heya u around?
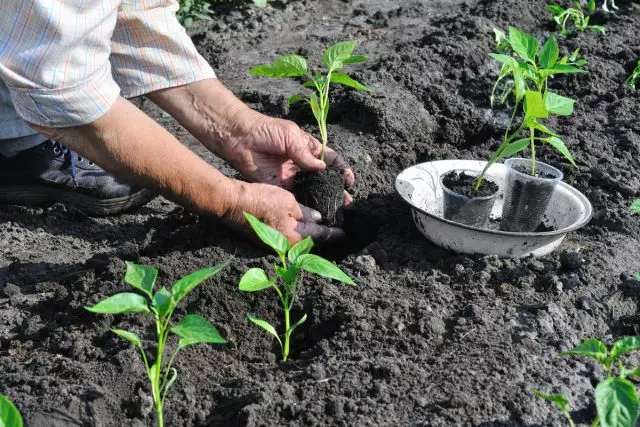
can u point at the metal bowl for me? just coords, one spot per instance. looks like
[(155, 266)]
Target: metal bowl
[(420, 187)]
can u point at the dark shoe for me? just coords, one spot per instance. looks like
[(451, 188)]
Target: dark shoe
[(52, 173)]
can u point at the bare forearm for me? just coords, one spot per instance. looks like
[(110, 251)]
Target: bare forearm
[(131, 146)]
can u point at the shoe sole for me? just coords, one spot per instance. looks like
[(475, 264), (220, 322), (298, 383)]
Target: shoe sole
[(35, 196)]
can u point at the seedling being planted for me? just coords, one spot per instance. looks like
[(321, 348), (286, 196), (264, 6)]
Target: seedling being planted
[(294, 260), (191, 329), (616, 398), (634, 77), (575, 17), (9, 414), (320, 191)]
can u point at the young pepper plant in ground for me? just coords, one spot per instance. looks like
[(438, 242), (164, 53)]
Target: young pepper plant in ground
[(9, 414), (634, 77), (574, 17), (191, 329), (616, 398), (334, 59), (294, 260)]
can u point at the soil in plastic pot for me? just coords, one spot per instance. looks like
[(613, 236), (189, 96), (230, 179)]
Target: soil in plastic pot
[(324, 192), (526, 201), (462, 203)]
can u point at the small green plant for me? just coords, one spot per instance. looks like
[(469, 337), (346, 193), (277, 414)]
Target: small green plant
[(525, 65), (294, 260), (191, 329), (9, 414), (634, 77), (334, 59), (574, 17), (193, 10), (634, 209), (616, 398)]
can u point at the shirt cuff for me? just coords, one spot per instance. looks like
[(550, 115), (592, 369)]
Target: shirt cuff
[(70, 106)]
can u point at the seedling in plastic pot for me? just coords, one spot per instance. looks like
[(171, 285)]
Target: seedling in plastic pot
[(191, 329), (322, 191), (9, 414), (634, 77), (574, 17), (526, 66), (294, 260), (617, 401)]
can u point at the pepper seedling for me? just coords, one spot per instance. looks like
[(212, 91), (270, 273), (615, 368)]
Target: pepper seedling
[(294, 259), (9, 414), (191, 329), (525, 65), (334, 59), (575, 17), (616, 398), (634, 77)]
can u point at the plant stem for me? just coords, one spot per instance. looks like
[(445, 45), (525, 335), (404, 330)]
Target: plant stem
[(285, 349), (533, 151), (158, 373), (571, 423)]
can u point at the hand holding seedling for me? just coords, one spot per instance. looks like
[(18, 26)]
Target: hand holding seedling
[(192, 329), (617, 401), (294, 260)]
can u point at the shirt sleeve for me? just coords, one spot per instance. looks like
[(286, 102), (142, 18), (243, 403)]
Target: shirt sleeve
[(150, 50), (54, 58)]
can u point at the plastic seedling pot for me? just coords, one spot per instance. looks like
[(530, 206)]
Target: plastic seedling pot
[(526, 197), (461, 203)]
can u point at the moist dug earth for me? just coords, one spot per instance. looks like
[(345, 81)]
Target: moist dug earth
[(463, 183), (427, 337)]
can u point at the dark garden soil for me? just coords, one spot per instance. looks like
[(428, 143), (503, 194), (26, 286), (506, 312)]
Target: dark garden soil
[(427, 338), (464, 184), (324, 192), (539, 174)]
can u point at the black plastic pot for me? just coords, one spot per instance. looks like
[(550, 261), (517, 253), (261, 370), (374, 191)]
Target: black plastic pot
[(461, 204), (526, 197)]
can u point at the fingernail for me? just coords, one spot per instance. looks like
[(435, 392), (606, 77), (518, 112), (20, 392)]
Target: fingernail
[(315, 215)]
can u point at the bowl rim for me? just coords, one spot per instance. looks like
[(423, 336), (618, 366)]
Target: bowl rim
[(573, 227)]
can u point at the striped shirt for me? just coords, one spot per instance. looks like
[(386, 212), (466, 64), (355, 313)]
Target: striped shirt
[(65, 62)]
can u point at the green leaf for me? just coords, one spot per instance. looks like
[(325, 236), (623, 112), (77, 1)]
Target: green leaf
[(505, 59), (558, 144), (260, 3), (514, 148), (555, 9), (592, 348), (591, 5), (334, 57), (534, 105), (622, 346), (264, 325), (598, 28), (343, 79), (315, 107), (194, 329), (617, 403), (129, 336), (255, 280), (557, 399), (125, 302), (270, 236), (303, 247), (634, 209), (154, 373), (500, 37), (558, 104), (162, 301), (523, 44), (141, 277), (9, 414), (287, 275), (285, 66), (310, 84), (318, 265), (566, 69), (182, 287), (294, 99), (293, 327), (354, 59), (549, 54), (542, 128)]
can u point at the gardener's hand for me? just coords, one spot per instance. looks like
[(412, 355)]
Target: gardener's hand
[(272, 151), (278, 208)]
